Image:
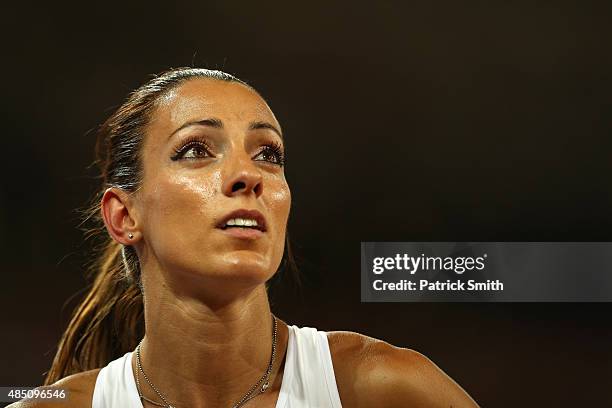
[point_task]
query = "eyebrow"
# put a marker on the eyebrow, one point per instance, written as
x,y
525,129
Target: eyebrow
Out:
x,y
265,125
218,124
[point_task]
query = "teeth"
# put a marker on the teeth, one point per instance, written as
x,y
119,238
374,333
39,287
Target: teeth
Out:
x,y
241,222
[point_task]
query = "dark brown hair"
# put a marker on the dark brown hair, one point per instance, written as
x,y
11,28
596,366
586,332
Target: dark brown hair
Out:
x,y
109,321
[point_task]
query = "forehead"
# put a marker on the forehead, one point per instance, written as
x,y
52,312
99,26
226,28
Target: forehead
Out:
x,y
200,98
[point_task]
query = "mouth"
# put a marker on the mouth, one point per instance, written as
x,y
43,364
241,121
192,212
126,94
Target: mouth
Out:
x,y
243,219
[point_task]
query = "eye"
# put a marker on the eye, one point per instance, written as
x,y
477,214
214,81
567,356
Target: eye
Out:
x,y
273,153
192,149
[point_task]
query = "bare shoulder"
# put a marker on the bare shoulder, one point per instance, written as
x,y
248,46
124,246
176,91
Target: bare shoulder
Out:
x,y
79,388
371,372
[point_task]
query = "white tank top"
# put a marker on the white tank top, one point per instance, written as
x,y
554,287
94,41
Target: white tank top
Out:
x,y
308,378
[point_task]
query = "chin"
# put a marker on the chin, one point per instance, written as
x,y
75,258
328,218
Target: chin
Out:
x,y
245,265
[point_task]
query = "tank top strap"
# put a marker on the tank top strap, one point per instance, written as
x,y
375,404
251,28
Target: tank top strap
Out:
x,y
115,385
309,379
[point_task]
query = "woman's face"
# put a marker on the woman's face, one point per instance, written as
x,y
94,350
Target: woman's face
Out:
x,y
213,148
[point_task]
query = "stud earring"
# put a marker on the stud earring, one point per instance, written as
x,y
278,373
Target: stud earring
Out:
x,y
130,235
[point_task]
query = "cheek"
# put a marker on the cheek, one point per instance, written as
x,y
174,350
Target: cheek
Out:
x,y
280,205
178,206
182,192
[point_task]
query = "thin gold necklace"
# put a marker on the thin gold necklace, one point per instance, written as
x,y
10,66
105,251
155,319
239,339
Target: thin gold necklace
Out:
x,y
264,381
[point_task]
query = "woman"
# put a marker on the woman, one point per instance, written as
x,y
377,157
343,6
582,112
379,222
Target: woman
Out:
x,y
195,206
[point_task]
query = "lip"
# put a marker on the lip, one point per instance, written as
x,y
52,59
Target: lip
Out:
x,y
248,233
242,233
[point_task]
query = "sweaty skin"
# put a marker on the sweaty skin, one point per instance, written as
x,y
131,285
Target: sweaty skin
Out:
x,y
205,296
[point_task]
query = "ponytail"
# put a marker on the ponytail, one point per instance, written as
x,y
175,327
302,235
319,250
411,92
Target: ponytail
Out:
x,y
107,323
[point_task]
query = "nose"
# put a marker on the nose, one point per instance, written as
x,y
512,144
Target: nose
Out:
x,y
243,178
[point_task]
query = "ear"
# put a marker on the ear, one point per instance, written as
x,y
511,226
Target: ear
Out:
x,y
118,214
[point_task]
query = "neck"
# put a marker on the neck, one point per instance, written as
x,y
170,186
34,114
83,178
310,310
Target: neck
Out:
x,y
200,356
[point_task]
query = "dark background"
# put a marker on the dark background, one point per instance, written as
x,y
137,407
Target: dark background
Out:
x,y
404,121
